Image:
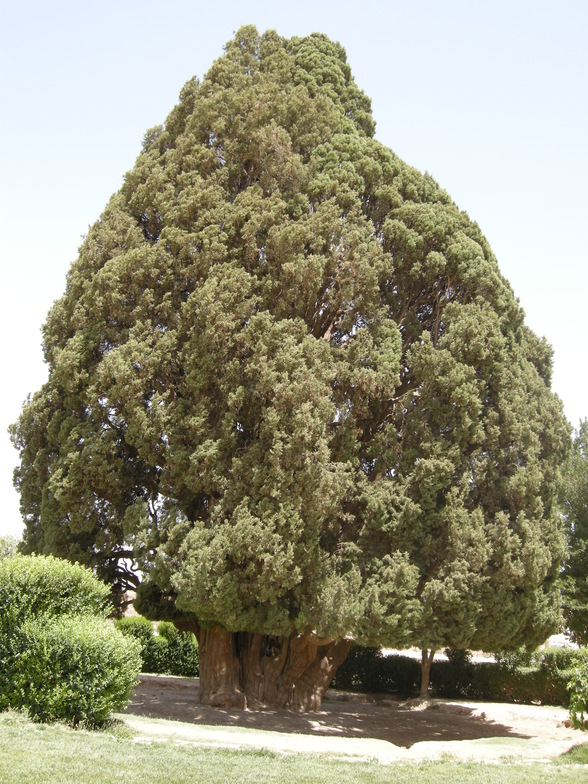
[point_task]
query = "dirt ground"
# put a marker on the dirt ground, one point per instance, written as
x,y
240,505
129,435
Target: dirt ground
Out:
x,y
394,729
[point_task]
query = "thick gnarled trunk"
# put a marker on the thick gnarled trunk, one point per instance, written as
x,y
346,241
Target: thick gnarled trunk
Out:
x,y
219,670
246,670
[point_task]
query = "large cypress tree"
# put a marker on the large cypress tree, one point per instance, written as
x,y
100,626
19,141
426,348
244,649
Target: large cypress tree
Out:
x,y
289,383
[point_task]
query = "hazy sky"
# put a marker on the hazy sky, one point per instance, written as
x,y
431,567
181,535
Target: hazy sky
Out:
x,y
490,97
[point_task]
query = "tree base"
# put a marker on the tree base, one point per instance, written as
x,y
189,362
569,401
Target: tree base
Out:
x,y
249,671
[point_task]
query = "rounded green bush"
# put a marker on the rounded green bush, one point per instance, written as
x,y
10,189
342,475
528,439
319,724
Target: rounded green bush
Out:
x,y
35,585
74,668
59,657
167,630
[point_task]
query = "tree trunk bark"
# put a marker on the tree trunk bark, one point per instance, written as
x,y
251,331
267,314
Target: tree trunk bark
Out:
x,y
427,657
247,670
219,670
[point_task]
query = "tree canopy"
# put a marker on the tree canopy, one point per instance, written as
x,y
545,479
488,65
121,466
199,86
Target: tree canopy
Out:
x,y
288,381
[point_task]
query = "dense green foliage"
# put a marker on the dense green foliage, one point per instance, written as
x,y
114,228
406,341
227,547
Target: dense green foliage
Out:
x,y
288,380
60,657
574,499
44,586
179,651
72,668
578,689
170,652
138,627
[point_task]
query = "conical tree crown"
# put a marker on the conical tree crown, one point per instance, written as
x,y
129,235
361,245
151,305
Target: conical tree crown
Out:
x,y
288,378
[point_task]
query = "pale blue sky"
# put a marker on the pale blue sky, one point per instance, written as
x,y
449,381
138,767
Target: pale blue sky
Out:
x,y
490,97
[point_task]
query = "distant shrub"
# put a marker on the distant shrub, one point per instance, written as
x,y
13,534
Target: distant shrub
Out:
x,y
72,668
560,659
361,671
557,667
152,655
136,626
181,656
170,653
167,630
60,658
459,657
514,660
403,675
486,681
368,670
452,677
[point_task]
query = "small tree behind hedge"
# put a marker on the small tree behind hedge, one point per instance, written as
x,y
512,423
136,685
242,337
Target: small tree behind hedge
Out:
x,y
60,658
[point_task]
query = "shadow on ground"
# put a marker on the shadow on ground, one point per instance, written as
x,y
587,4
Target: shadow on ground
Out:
x,y
353,716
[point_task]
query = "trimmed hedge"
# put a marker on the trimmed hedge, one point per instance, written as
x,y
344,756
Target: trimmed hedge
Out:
x,y
59,657
368,671
171,652
488,681
545,678
545,681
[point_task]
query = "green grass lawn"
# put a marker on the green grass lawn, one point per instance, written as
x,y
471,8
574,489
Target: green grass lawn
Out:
x,y
42,754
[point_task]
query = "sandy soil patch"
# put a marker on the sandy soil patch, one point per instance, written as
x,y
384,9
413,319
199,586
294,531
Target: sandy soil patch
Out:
x,y
356,725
